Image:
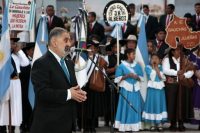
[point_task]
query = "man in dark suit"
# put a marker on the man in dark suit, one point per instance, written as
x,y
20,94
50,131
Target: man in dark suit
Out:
x,y
151,23
25,77
94,27
159,43
165,19
53,20
55,87
196,17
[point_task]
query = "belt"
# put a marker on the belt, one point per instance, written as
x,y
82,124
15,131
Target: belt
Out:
x,y
171,79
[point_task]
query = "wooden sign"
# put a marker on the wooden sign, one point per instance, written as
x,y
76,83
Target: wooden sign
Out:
x,y
179,30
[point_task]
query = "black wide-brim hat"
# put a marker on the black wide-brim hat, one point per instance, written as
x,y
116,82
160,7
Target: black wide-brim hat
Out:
x,y
93,42
29,45
15,39
113,42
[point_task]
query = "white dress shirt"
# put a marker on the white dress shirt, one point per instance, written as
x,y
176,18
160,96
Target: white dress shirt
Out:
x,y
69,96
171,72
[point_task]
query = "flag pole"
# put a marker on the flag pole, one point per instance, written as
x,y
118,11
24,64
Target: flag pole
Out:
x,y
9,103
32,32
10,120
118,52
84,5
82,111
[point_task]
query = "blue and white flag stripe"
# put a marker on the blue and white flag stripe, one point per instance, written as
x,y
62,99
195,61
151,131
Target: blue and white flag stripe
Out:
x,y
6,68
32,15
40,49
142,56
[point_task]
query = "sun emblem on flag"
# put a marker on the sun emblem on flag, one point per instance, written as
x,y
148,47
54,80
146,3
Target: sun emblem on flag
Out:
x,y
1,56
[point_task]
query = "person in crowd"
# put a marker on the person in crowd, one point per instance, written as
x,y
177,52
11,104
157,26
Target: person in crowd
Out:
x,y
189,21
112,65
53,20
151,48
135,16
195,58
131,26
28,49
166,18
161,47
13,94
65,19
55,87
94,27
196,17
151,23
129,75
178,96
106,49
155,110
130,42
94,107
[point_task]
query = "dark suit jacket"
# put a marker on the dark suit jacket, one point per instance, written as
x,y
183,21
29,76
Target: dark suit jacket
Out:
x,y
162,50
97,29
130,30
162,21
150,27
26,107
52,113
195,23
56,22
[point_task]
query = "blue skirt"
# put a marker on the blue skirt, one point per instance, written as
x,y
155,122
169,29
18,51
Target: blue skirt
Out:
x,y
155,106
126,118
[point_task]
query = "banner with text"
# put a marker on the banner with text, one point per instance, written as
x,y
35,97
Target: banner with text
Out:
x,y
21,16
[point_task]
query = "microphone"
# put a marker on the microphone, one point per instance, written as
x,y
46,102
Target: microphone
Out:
x,y
80,50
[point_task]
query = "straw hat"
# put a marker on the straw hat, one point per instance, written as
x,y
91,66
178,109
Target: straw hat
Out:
x,y
129,38
63,9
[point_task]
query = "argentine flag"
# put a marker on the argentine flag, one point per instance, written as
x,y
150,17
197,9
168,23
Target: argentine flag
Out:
x,y
142,56
81,59
40,49
6,68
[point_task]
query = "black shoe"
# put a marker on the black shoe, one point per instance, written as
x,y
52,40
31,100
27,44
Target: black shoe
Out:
x,y
93,130
86,130
173,128
181,128
2,129
199,127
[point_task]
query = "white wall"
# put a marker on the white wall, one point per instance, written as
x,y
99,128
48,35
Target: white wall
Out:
x,y
184,6
71,5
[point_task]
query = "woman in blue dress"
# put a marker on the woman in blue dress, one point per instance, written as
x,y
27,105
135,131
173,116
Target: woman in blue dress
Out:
x,y
128,76
155,105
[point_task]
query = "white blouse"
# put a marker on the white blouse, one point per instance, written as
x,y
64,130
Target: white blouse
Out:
x,y
171,72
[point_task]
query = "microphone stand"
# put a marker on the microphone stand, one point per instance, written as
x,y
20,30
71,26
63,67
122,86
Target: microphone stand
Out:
x,y
115,87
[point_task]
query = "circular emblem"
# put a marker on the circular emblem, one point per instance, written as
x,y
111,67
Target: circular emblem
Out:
x,y
1,56
116,11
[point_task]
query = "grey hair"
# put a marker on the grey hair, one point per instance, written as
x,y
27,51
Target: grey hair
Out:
x,y
57,31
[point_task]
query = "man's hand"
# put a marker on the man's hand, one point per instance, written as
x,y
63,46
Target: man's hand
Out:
x,y
78,94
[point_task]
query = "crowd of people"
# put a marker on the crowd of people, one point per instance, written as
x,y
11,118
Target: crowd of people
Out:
x,y
173,87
